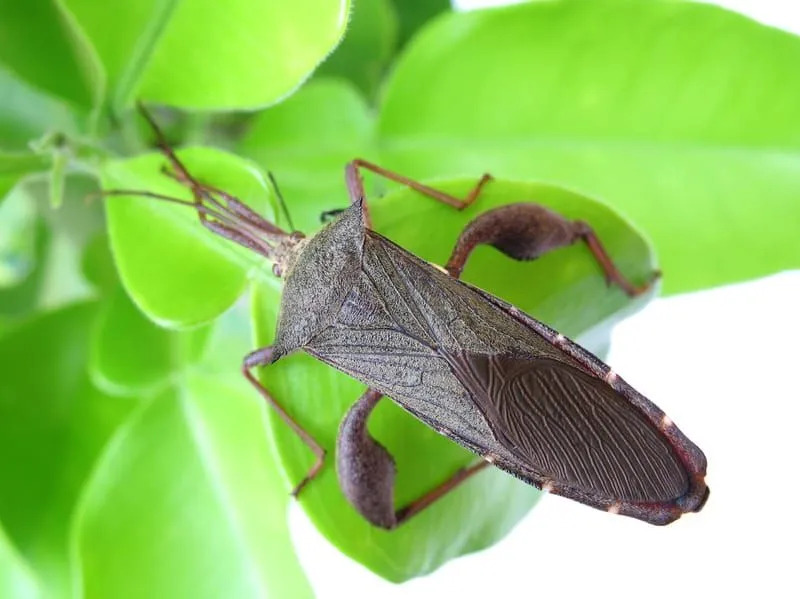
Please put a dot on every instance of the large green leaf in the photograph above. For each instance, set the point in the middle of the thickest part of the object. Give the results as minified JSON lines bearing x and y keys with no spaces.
{"x":204,"y":54}
{"x":53,"y":424}
{"x":565,"y":289}
{"x":42,"y":44}
{"x":176,"y":271}
{"x":682,"y":116}
{"x":306,"y":142}
{"x":191,"y":486}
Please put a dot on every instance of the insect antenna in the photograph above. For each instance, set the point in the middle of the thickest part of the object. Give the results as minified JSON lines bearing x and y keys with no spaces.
{"x":281,"y":201}
{"x":218,"y":211}
{"x":218,"y":220}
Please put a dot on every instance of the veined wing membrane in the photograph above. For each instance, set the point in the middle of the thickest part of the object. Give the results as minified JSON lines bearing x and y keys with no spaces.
{"x":572,"y":427}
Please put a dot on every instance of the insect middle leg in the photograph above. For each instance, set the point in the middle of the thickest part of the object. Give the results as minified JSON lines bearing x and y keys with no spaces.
{"x":264,"y":357}
{"x":367,"y":471}
{"x":355,"y":185}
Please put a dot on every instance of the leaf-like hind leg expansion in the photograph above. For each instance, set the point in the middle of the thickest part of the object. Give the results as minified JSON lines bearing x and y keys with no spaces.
{"x":264,"y":357}
{"x":355,"y":185}
{"x":367,"y":471}
{"x":527,"y":231}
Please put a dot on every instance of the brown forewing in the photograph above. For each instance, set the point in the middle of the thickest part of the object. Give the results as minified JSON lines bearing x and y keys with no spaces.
{"x":509,"y":388}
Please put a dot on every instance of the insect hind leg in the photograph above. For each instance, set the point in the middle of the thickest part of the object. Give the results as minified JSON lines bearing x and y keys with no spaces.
{"x":366,"y":470}
{"x":526,"y":231}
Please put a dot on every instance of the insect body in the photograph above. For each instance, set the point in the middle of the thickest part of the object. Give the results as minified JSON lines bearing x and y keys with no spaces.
{"x":484,"y":374}
{"x":471,"y":366}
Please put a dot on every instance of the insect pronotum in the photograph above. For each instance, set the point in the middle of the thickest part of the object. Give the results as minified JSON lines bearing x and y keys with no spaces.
{"x":520,"y":395}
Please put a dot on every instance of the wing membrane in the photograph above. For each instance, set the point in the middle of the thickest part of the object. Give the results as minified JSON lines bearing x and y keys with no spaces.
{"x":573,"y":427}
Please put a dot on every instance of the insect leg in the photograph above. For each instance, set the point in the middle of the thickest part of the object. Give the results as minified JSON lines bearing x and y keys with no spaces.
{"x":419,"y":504}
{"x":613,"y":275}
{"x":263,"y":357}
{"x":527,"y":231}
{"x":355,"y":185}
{"x":367,"y":471}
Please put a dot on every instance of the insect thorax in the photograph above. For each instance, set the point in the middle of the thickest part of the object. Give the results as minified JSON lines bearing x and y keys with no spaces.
{"x":319,"y":279}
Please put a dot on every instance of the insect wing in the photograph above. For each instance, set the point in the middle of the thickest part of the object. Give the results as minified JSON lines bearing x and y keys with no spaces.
{"x":572,"y":427}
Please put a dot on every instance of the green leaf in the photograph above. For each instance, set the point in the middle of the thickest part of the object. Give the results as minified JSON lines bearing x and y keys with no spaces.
{"x":190,"y":485}
{"x":97,"y":264}
{"x":176,"y":271}
{"x":368,"y":46}
{"x":681,"y":116}
{"x":53,"y":424}
{"x":306,"y":142}
{"x":42,"y":44}
{"x":209,"y":55}
{"x":567,"y":290}
{"x":118,"y":364}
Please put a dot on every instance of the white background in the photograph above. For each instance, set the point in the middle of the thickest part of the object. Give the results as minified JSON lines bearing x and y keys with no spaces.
{"x":724,"y":365}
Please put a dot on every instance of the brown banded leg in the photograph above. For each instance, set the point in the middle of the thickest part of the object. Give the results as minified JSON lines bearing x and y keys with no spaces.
{"x":263,"y":357}
{"x":527,"y":231}
{"x":366,"y":470}
{"x":355,"y":186}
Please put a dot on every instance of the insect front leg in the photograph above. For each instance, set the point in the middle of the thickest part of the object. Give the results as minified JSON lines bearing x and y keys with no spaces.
{"x":264,"y":357}
{"x":355,"y":185}
{"x":366,"y":470}
{"x":527,"y":231}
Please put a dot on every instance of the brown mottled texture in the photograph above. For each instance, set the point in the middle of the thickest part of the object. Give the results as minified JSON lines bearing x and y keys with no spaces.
{"x":521,"y":231}
{"x":365,"y":469}
{"x":527,"y":231}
